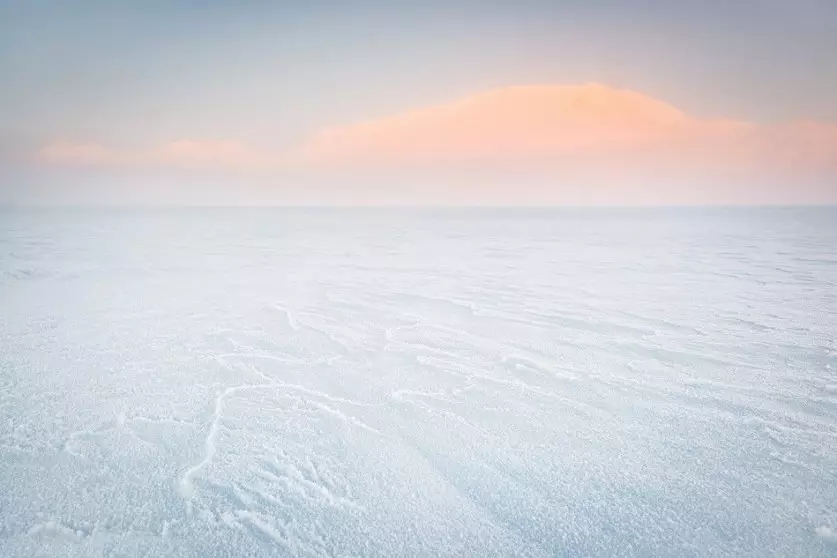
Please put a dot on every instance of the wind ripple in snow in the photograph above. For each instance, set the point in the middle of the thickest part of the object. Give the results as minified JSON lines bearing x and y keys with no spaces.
{"x":446,"y":383}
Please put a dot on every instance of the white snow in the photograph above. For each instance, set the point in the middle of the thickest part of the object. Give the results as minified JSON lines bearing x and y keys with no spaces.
{"x":211,"y":382}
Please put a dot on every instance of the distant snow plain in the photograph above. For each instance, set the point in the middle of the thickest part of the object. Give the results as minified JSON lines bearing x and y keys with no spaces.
{"x":436,"y":382}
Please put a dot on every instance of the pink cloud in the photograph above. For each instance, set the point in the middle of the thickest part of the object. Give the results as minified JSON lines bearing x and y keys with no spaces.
{"x":571,"y":131}
{"x":182,"y":153}
{"x":569,"y":126}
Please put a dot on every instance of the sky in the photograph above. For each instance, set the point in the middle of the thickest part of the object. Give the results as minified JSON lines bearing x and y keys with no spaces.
{"x":477,"y":103}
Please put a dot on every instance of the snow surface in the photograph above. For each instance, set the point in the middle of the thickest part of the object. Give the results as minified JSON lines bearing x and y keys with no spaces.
{"x":253,"y":382}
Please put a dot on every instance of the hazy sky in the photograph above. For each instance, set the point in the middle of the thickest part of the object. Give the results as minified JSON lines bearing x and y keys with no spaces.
{"x":105,"y":100}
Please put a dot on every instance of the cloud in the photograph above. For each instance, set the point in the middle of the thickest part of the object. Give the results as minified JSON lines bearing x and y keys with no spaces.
{"x":579,"y":132}
{"x":181,"y":153}
{"x":515,"y":124}
{"x":568,"y":126}
{"x":66,"y":152}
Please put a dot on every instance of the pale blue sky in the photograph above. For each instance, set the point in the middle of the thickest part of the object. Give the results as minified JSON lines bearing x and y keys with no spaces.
{"x":137,"y":73}
{"x":271,"y":72}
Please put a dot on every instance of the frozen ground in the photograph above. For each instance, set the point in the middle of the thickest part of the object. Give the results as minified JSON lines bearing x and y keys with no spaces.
{"x":418,"y":383}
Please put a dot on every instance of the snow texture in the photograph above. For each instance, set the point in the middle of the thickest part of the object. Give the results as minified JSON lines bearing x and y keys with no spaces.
{"x":263,"y":382}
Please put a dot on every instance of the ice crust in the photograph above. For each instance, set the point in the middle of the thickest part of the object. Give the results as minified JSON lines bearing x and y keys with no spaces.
{"x":263,"y":382}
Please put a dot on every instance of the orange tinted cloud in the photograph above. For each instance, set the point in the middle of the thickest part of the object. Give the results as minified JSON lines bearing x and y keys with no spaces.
{"x":568,"y":125}
{"x":573,"y":130}
{"x":181,"y":153}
